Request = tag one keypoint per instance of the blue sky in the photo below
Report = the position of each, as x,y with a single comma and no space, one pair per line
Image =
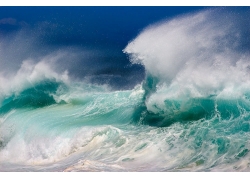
89,25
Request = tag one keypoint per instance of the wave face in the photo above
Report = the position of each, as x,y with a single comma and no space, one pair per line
191,113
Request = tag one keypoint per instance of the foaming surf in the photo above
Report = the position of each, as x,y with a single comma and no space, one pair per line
191,113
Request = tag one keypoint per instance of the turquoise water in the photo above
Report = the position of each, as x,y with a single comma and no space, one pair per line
56,127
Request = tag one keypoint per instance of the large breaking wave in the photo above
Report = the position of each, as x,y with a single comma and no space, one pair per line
196,66
191,113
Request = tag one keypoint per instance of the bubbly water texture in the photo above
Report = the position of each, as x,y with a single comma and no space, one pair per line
191,113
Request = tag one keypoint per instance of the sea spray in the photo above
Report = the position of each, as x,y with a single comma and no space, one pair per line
195,62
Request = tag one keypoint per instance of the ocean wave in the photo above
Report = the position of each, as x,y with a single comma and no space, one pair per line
191,113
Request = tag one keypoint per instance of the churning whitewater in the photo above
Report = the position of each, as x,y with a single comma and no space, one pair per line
191,112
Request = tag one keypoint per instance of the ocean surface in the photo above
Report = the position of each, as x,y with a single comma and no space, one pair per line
190,112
